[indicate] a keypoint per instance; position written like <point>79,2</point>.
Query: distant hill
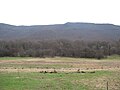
<point>70,31</point>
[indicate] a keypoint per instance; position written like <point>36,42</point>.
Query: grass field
<point>58,73</point>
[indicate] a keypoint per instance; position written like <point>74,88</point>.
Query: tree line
<point>62,48</point>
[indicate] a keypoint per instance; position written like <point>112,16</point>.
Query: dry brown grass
<point>61,65</point>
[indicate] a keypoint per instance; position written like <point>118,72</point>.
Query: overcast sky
<point>41,12</point>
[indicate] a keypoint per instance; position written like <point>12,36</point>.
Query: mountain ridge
<point>69,30</point>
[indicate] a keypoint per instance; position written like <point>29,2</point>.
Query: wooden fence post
<point>107,85</point>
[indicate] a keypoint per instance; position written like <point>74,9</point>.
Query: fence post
<point>107,85</point>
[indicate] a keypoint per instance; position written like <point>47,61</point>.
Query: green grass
<point>57,81</point>
<point>48,81</point>
<point>113,57</point>
<point>14,58</point>
<point>117,57</point>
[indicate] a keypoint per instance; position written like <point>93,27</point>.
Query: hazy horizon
<point>49,12</point>
<point>59,23</point>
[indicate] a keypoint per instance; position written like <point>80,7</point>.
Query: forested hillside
<point>86,40</point>
<point>69,31</point>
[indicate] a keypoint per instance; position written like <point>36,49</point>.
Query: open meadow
<point>59,73</point>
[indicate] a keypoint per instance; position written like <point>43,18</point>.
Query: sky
<point>44,12</point>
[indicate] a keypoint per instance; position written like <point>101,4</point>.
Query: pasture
<point>59,73</point>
